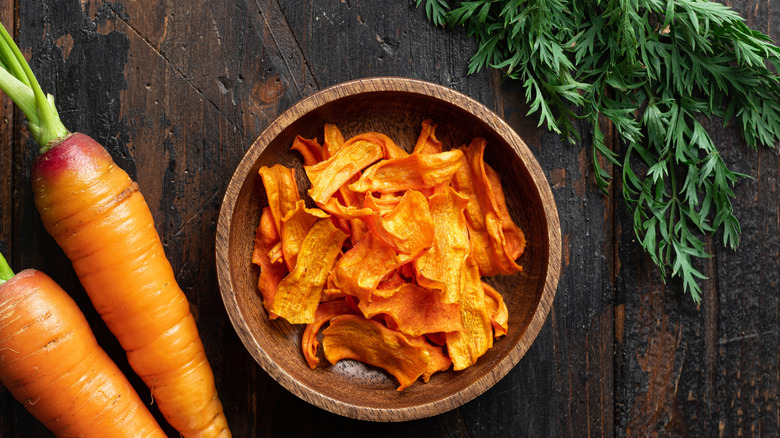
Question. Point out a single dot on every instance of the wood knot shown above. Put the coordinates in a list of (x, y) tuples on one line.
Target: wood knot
[(269, 91)]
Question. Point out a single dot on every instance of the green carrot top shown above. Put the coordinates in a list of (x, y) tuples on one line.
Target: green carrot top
[(5, 271), (18, 82)]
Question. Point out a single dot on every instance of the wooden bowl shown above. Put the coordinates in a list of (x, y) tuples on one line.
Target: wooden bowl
[(396, 107)]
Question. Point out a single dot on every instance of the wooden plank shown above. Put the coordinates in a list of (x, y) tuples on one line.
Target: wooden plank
[(6, 148), (565, 381), (7, 18), (747, 367), (711, 369), (746, 371), (349, 40)]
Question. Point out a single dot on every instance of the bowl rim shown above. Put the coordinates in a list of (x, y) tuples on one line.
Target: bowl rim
[(444, 94)]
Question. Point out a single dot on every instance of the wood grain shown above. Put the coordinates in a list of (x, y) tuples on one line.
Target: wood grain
[(179, 90)]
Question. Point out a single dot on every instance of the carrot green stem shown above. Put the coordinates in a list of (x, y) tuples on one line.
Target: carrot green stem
[(5, 271), (24, 98), (18, 82)]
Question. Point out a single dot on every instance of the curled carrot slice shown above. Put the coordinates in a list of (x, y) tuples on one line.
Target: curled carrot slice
[(466, 346), (365, 340), (334, 139), (496, 308), (362, 268), (389, 147), (310, 150), (327, 176), (443, 264), (266, 238), (347, 212), (414, 172), (514, 238), (281, 191), (437, 359), (415, 310), (295, 227), (484, 217), (325, 312), (427, 143), (408, 227), (298, 294)]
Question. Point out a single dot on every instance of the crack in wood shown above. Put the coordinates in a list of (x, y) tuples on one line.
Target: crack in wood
[(182, 76), (746, 337), (198, 214), (274, 10)]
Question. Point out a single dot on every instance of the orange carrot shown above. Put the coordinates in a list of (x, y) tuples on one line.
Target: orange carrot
[(97, 215), (52, 364)]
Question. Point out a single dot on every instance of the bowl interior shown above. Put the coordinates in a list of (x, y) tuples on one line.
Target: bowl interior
[(350, 388)]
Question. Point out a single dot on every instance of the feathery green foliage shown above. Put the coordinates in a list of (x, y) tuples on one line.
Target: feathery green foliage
[(654, 69)]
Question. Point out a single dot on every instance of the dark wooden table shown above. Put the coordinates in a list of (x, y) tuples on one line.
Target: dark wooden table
[(177, 91)]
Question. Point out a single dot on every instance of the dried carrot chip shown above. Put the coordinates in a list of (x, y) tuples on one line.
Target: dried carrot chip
[(390, 148), (427, 143), (346, 207), (327, 176), (295, 226), (365, 340), (347, 212), (443, 265), (391, 283), (354, 201), (482, 215), (359, 230), (298, 294), (385, 203), (496, 308), (418, 229), (465, 347), (281, 190), (266, 237), (437, 361), (415, 310), (514, 238), (334, 139), (408, 228), (310, 149), (325, 312), (414, 172), (360, 270)]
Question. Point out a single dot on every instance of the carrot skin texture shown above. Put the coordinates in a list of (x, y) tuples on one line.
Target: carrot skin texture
[(100, 219), (51, 362)]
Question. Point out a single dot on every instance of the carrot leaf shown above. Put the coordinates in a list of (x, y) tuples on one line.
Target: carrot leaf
[(655, 70), (5, 271)]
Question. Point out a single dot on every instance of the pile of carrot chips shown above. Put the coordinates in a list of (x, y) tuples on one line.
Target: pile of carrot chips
[(392, 256)]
